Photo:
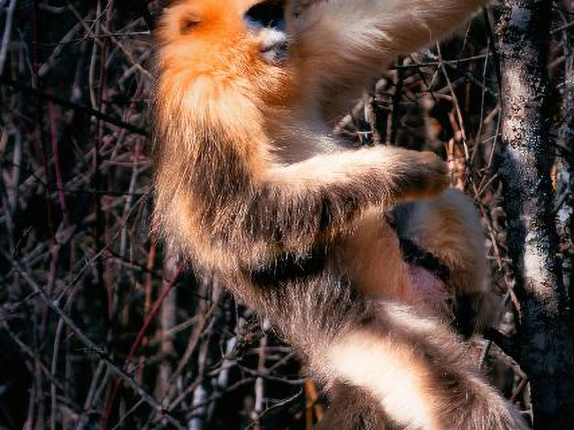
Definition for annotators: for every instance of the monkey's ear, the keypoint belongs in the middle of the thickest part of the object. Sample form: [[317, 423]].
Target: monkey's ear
[[187, 22], [179, 20]]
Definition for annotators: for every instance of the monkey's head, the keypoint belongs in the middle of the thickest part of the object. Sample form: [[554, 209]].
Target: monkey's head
[[210, 47]]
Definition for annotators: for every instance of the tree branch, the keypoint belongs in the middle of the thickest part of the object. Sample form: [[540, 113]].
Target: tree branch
[[545, 339], [127, 379], [69, 105]]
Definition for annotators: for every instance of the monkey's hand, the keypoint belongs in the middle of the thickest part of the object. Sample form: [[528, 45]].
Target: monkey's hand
[[420, 174], [370, 176]]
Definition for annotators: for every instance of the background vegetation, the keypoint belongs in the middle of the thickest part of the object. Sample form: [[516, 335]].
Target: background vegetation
[[101, 327]]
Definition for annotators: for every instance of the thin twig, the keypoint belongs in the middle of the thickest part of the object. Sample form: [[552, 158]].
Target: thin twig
[[92, 347]]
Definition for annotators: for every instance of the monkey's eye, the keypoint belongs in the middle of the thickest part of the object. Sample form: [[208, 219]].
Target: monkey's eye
[[188, 23], [268, 14]]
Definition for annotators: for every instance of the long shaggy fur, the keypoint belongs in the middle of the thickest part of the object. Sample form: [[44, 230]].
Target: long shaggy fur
[[253, 187]]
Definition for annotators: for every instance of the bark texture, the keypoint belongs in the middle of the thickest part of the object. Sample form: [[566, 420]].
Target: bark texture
[[545, 335]]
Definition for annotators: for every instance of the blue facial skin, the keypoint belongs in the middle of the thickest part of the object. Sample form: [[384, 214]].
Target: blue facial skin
[[266, 15], [269, 16]]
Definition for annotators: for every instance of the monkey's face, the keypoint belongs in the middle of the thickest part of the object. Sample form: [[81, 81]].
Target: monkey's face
[[217, 44], [267, 19]]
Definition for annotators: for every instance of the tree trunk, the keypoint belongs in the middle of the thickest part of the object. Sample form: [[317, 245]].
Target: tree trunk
[[545, 333]]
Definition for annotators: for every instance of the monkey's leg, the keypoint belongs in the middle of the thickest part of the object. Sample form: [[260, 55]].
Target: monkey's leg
[[413, 367], [449, 228], [419, 372]]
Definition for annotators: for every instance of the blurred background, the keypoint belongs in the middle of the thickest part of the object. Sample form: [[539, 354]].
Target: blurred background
[[100, 327]]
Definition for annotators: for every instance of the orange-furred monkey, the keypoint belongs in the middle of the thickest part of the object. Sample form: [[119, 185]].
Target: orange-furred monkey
[[253, 186]]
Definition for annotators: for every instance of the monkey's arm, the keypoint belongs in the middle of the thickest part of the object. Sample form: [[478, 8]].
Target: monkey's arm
[[325, 193], [352, 40], [383, 174], [374, 30], [218, 181], [401, 26]]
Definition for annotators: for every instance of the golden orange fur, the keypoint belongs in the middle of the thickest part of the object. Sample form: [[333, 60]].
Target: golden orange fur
[[253, 186]]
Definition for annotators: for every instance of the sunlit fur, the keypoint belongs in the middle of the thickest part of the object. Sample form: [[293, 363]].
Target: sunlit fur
[[252, 186]]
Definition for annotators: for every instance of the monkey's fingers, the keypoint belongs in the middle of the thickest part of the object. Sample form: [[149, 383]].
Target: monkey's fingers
[[424, 175]]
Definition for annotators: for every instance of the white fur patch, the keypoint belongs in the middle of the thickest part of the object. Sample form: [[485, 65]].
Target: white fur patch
[[390, 372]]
